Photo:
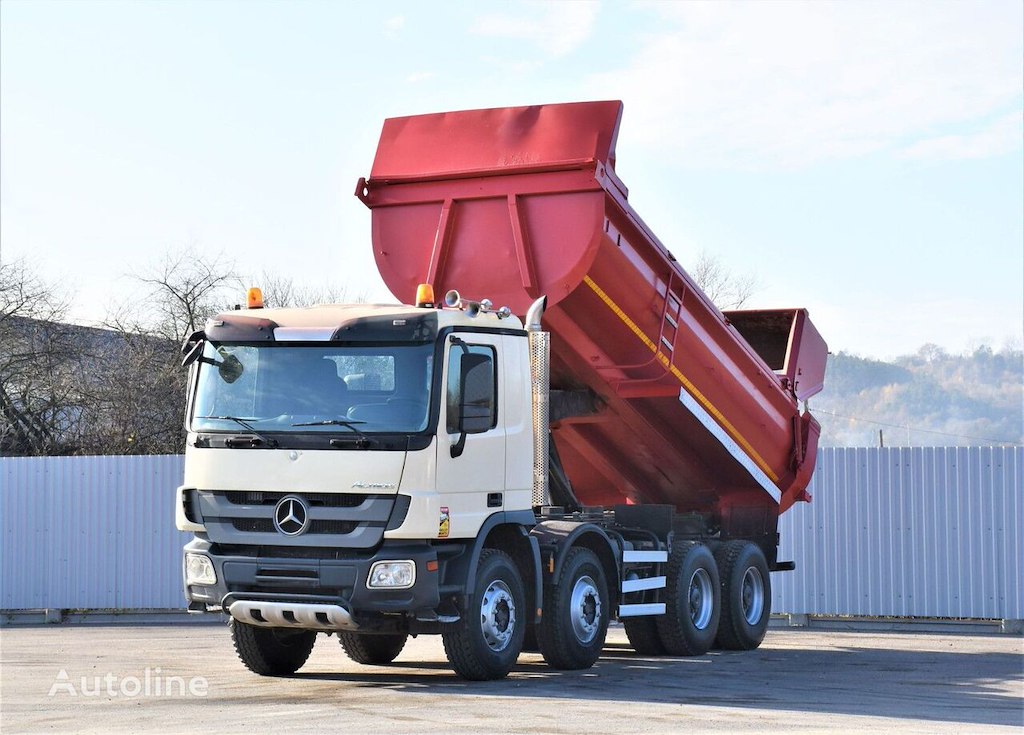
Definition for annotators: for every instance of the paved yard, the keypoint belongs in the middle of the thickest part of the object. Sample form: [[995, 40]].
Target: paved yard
[[177, 678]]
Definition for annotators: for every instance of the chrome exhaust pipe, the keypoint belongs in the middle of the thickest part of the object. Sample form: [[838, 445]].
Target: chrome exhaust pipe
[[534, 314], [540, 381]]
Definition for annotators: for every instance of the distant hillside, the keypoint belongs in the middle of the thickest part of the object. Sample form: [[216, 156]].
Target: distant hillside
[[931, 398]]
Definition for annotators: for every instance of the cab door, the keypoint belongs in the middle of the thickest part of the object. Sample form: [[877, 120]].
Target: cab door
[[471, 435]]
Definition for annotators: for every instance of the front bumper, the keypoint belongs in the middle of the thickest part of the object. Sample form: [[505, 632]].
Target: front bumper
[[326, 581], [304, 615]]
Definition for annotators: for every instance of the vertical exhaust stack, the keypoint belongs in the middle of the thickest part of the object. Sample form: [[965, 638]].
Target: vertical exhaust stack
[[540, 355]]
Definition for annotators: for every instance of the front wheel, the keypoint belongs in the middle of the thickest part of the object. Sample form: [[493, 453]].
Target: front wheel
[[379, 648], [746, 596], [690, 621], [485, 643], [271, 651], [575, 620]]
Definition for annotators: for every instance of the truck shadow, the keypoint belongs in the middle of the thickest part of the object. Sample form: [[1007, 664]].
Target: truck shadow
[[946, 686]]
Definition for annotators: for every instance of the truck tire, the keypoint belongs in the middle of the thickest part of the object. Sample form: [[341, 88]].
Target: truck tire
[[746, 596], [486, 642], [692, 595], [575, 620], [643, 636], [530, 644], [366, 648], [271, 651]]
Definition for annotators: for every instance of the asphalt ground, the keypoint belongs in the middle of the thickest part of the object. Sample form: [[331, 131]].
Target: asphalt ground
[[186, 678]]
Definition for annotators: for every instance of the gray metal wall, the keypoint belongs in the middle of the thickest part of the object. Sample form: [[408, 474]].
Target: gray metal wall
[[928, 532], [90, 533], [908, 532]]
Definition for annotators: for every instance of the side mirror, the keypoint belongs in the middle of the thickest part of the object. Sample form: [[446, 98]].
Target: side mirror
[[476, 403], [192, 353], [230, 369], [476, 399], [198, 335]]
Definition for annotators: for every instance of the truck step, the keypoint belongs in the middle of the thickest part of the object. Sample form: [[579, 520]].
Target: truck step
[[645, 608], [638, 585], [631, 556]]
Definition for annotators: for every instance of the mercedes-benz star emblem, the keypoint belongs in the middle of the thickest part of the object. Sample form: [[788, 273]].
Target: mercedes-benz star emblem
[[291, 516]]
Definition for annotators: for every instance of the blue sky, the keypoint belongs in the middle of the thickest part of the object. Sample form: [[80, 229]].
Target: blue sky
[[862, 159]]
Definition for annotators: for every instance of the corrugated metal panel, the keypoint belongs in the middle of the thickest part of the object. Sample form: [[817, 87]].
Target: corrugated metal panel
[[908, 532], [90, 532], [921, 532]]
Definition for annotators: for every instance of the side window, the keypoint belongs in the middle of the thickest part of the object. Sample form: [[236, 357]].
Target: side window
[[479, 371]]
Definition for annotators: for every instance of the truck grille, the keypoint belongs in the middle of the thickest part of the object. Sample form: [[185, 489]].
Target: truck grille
[[333, 527], [265, 525], [340, 520], [253, 525], [325, 500]]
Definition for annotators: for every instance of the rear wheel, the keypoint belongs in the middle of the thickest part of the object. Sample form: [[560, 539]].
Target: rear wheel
[[485, 643], [271, 651], [575, 620], [366, 648], [691, 616], [530, 644], [746, 595], [643, 636]]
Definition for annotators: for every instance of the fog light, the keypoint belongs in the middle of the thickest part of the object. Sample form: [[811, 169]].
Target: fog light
[[394, 575], [199, 570]]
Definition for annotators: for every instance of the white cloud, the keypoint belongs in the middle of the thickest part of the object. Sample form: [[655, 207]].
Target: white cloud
[[779, 83], [957, 323], [512, 66], [420, 76], [557, 28], [1003, 135]]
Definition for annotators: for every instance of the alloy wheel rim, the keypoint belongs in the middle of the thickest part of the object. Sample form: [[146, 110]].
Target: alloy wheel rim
[[497, 615], [752, 594], [701, 599], [585, 609]]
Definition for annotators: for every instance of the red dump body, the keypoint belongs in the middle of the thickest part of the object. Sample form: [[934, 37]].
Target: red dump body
[[698, 408]]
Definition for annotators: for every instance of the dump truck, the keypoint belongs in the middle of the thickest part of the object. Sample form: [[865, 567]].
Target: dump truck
[[560, 431]]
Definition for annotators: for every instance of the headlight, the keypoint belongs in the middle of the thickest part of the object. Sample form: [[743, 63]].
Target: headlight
[[199, 570], [394, 575]]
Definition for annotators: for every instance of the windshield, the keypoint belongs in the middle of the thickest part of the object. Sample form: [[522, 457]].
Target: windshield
[[338, 388]]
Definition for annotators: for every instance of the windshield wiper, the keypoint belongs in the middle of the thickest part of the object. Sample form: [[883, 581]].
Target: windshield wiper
[[244, 423], [362, 442], [334, 422]]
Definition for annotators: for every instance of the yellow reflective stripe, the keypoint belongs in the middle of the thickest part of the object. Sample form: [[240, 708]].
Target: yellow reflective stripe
[[690, 387]]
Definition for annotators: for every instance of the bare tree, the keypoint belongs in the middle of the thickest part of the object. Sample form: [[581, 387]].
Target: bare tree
[[138, 400], [282, 291], [39, 386], [118, 390], [184, 289], [24, 294], [724, 287]]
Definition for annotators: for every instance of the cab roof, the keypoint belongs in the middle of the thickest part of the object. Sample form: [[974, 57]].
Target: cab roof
[[347, 322]]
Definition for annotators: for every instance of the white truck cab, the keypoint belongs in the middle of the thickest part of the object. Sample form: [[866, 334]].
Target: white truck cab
[[344, 462]]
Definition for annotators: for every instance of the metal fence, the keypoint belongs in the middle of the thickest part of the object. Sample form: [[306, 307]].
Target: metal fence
[[90, 533], [907, 532]]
